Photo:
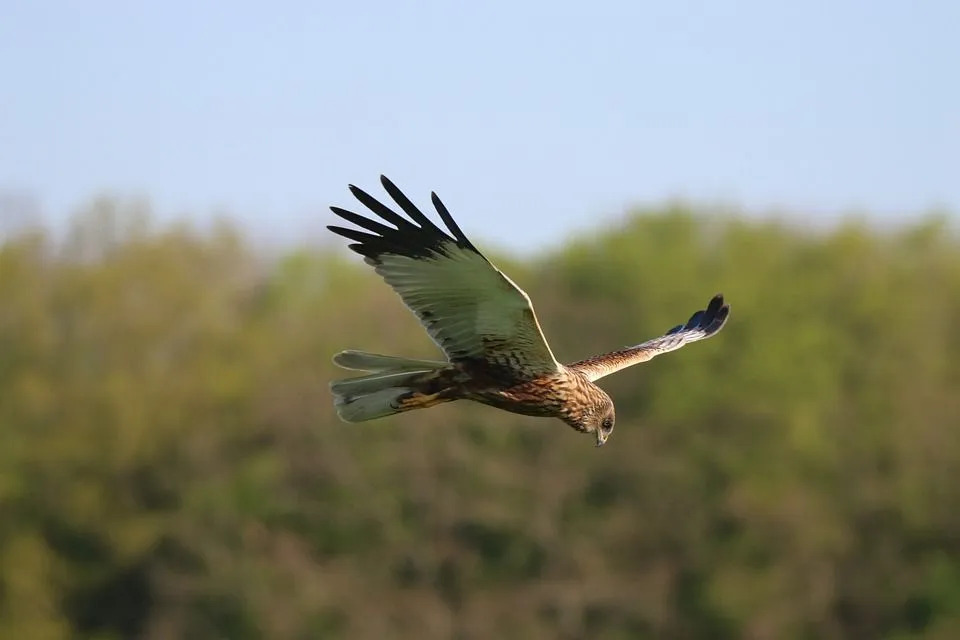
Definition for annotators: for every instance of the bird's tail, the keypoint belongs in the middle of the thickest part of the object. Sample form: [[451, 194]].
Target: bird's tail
[[393, 385]]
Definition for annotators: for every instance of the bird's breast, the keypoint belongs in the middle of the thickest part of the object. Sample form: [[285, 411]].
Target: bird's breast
[[546, 396]]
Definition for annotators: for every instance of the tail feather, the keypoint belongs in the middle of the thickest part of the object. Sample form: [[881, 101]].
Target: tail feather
[[363, 385], [378, 404], [363, 361], [392, 388]]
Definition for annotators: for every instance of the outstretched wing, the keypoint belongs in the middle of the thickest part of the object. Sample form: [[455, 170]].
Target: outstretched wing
[[702, 324], [469, 307]]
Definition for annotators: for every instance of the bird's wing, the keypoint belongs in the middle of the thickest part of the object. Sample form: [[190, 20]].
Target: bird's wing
[[702, 324], [469, 307]]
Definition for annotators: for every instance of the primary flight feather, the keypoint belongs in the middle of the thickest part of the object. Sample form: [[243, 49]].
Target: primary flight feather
[[484, 323]]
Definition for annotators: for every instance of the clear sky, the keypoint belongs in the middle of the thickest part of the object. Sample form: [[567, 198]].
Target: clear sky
[[530, 119]]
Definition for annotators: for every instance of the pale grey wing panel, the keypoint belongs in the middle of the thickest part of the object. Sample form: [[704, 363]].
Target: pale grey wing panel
[[701, 325], [469, 307]]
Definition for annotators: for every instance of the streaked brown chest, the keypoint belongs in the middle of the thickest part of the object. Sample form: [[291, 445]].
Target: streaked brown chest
[[544, 396]]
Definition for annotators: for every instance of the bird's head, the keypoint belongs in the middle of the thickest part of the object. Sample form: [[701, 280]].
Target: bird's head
[[597, 419], [604, 426]]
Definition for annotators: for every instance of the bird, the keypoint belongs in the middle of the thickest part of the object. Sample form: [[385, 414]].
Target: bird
[[485, 325]]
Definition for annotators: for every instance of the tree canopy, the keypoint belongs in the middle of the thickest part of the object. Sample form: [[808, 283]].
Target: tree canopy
[[171, 465]]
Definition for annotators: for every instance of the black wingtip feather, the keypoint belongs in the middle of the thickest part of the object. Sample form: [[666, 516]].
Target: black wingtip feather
[[450, 222], [416, 238], [408, 207], [709, 320], [379, 208], [360, 221]]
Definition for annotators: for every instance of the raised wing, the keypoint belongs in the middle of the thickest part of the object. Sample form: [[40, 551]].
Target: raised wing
[[702, 324], [469, 307]]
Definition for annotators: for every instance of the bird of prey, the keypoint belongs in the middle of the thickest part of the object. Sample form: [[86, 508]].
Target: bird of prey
[[484, 323]]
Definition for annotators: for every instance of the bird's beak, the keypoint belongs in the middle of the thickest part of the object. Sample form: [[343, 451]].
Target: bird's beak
[[601, 439]]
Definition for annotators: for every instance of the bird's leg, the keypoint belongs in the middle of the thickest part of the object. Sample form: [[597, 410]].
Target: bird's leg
[[417, 400], [432, 389]]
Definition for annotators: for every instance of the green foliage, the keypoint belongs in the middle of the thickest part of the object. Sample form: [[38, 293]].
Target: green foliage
[[171, 466]]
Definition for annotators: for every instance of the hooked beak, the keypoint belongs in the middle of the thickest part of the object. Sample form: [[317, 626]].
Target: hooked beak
[[601, 438]]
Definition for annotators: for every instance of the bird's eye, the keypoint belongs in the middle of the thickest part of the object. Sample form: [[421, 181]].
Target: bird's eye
[[607, 424]]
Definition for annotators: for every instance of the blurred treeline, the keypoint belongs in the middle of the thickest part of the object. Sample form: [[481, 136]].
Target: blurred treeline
[[171, 466]]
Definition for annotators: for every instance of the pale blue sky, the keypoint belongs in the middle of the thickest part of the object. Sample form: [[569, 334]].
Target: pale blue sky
[[531, 120]]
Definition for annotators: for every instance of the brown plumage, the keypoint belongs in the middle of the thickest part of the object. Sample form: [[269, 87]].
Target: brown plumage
[[485, 325]]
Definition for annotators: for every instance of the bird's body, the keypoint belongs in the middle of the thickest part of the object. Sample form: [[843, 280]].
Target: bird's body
[[557, 395], [486, 326]]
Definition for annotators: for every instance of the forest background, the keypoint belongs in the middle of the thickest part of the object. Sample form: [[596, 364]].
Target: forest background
[[171, 465]]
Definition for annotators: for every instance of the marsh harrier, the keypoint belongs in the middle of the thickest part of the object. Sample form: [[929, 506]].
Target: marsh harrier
[[485, 325]]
